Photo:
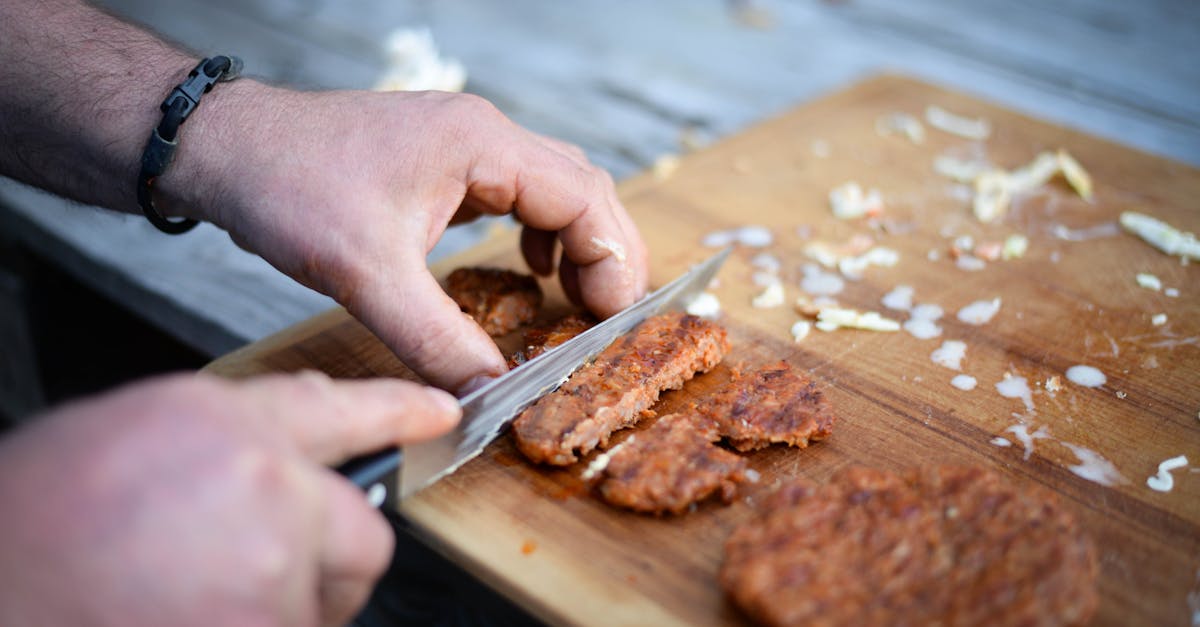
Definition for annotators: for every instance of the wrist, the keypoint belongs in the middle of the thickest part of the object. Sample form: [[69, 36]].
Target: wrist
[[214, 149]]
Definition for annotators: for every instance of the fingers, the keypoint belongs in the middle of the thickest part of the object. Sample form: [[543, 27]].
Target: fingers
[[537, 246], [356, 547], [411, 313], [332, 421], [554, 191]]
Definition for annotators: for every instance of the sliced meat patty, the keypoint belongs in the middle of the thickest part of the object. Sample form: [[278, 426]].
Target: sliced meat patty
[[541, 338], [669, 466], [774, 404], [499, 300], [623, 381], [933, 546], [676, 463]]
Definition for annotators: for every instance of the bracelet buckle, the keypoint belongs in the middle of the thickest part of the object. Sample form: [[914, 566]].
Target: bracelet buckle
[[160, 148]]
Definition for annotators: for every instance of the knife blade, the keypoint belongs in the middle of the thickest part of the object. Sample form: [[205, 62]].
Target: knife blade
[[489, 409]]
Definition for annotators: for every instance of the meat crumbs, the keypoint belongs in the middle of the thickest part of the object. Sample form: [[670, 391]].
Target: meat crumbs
[[499, 300]]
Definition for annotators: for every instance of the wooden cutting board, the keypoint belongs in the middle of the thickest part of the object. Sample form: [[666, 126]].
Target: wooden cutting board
[[538, 536]]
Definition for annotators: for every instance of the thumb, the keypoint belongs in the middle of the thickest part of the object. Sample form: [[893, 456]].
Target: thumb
[[332, 421], [411, 313]]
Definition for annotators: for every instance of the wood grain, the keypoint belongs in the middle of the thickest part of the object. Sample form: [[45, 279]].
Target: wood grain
[[1064, 303]]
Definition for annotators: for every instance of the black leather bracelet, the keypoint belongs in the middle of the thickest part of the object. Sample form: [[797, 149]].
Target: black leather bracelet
[[160, 149]]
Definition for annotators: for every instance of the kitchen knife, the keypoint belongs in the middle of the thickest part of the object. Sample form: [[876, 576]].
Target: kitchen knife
[[489, 409]]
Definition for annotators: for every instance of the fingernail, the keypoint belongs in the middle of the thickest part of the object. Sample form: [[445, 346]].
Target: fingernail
[[474, 384]]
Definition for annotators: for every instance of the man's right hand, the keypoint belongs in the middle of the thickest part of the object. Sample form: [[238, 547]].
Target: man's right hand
[[193, 500]]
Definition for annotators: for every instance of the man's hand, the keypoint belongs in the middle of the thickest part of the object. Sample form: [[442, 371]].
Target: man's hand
[[348, 191], [344, 191], [191, 500]]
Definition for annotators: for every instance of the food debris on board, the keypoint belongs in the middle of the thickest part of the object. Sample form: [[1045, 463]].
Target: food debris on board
[[1161, 235], [950, 354], [705, 305], [964, 382], [994, 187], [750, 236], [772, 296], [1163, 481], [1086, 376], [1094, 467], [833, 318], [979, 312], [897, 123], [1158, 319], [1016, 387], [848, 201], [801, 329], [967, 128], [1022, 434], [1149, 281]]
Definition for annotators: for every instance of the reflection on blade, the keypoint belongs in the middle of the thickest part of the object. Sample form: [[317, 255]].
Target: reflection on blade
[[488, 410]]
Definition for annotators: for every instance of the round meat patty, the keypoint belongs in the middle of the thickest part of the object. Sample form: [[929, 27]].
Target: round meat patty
[[934, 546]]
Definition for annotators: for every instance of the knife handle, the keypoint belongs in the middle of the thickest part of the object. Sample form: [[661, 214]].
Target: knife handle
[[376, 474]]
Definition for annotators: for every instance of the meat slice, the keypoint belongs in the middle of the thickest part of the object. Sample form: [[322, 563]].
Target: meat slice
[[774, 404], [671, 465], [612, 392], [542, 338], [675, 462], [499, 300], [948, 545]]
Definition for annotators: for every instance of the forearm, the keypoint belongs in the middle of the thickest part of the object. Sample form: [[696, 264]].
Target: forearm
[[79, 95]]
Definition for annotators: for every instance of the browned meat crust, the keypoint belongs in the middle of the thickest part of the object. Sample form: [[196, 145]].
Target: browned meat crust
[[775, 404], [542, 338], [675, 463], [934, 546], [671, 465], [499, 300], [612, 392]]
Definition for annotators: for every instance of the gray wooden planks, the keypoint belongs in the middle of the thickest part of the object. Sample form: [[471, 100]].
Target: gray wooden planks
[[623, 80]]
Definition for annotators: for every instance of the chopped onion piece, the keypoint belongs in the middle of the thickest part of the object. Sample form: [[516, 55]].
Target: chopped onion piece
[[617, 250], [979, 312], [1161, 235], [967, 128], [899, 298], [705, 305], [1079, 179], [960, 170], [1087, 376], [950, 354], [1015, 246], [1163, 481], [966, 383], [770, 297], [1158, 319], [848, 201], [897, 123], [853, 267], [801, 329], [831, 318], [1150, 281], [819, 282]]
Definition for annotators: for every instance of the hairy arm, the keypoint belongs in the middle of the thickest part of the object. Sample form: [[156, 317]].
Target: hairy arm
[[79, 93], [345, 191]]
